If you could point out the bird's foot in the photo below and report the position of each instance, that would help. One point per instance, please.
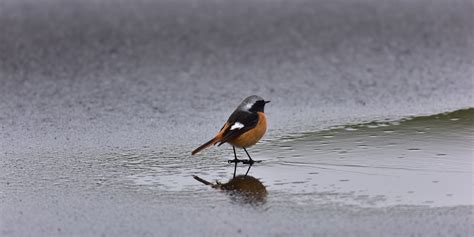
(235, 161)
(245, 162)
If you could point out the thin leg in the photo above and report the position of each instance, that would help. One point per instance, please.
(235, 159)
(250, 162)
(250, 158)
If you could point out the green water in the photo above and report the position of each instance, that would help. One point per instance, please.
(416, 161)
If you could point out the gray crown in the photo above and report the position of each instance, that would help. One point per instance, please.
(249, 101)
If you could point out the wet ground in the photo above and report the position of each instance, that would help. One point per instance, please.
(101, 103)
(382, 178)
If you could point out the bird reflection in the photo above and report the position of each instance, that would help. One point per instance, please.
(242, 188)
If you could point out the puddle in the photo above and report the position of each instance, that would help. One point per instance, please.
(364, 165)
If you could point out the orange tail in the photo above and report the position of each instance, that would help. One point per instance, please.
(205, 145)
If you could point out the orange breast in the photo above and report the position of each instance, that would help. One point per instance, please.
(252, 136)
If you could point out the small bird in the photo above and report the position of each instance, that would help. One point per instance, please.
(244, 128)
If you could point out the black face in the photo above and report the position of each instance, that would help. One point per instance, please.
(259, 106)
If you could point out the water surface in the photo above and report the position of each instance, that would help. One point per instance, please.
(416, 161)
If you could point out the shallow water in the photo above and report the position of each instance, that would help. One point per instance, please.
(416, 161)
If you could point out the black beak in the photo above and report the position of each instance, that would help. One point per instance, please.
(267, 101)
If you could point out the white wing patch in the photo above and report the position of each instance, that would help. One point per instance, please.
(236, 125)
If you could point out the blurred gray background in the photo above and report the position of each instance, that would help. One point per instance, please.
(95, 74)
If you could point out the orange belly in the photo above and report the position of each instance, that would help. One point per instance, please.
(252, 136)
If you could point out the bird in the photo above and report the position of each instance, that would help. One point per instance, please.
(244, 128)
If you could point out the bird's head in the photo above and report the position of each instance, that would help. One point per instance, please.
(253, 103)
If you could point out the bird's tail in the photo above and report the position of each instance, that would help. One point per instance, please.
(205, 145)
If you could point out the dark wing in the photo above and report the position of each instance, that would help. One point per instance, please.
(239, 123)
